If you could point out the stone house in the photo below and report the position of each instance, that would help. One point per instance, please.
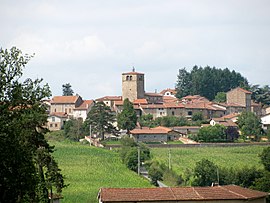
(81, 111)
(65, 104)
(169, 92)
(240, 96)
(56, 121)
(109, 100)
(216, 194)
(157, 134)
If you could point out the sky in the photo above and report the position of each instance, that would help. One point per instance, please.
(90, 43)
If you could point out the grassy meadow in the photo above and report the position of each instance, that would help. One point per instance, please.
(89, 168)
(186, 158)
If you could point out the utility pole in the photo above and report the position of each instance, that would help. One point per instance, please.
(217, 176)
(170, 164)
(90, 128)
(139, 161)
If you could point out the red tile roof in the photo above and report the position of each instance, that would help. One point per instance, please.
(156, 130)
(242, 90)
(140, 101)
(59, 114)
(85, 105)
(112, 98)
(172, 91)
(64, 99)
(230, 192)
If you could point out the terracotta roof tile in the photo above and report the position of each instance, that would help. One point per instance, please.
(112, 98)
(230, 192)
(140, 101)
(172, 91)
(85, 105)
(64, 99)
(156, 130)
(59, 114)
(152, 94)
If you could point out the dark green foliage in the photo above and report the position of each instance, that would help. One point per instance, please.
(183, 84)
(205, 173)
(232, 134)
(265, 158)
(214, 133)
(101, 119)
(261, 94)
(197, 116)
(220, 97)
(263, 183)
(73, 129)
(147, 121)
(207, 81)
(67, 91)
(127, 119)
(27, 168)
(250, 125)
(170, 121)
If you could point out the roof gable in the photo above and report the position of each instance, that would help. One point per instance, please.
(64, 99)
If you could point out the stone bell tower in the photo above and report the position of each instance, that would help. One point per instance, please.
(133, 85)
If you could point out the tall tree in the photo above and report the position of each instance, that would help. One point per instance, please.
(250, 125)
(261, 94)
(101, 119)
(67, 91)
(28, 170)
(127, 119)
(183, 83)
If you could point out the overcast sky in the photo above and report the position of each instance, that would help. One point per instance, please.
(90, 43)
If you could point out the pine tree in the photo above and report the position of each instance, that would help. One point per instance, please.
(101, 119)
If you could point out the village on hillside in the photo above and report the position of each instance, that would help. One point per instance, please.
(164, 103)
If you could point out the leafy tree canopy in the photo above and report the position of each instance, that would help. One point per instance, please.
(220, 97)
(28, 170)
(249, 124)
(207, 81)
(67, 91)
(205, 173)
(214, 133)
(127, 119)
(261, 94)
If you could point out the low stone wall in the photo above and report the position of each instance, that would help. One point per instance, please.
(199, 145)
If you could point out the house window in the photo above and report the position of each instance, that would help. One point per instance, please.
(190, 113)
(160, 113)
(130, 77)
(69, 110)
(53, 119)
(173, 113)
(51, 125)
(55, 125)
(54, 110)
(65, 110)
(127, 78)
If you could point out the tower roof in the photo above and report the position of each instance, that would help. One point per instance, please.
(132, 73)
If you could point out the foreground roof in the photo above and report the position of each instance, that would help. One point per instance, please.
(230, 192)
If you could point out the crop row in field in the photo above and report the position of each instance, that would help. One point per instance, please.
(89, 168)
(186, 158)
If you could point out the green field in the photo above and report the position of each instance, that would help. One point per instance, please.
(89, 168)
(236, 157)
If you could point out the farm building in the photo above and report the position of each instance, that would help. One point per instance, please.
(216, 194)
(157, 134)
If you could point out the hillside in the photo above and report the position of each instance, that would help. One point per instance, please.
(89, 168)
